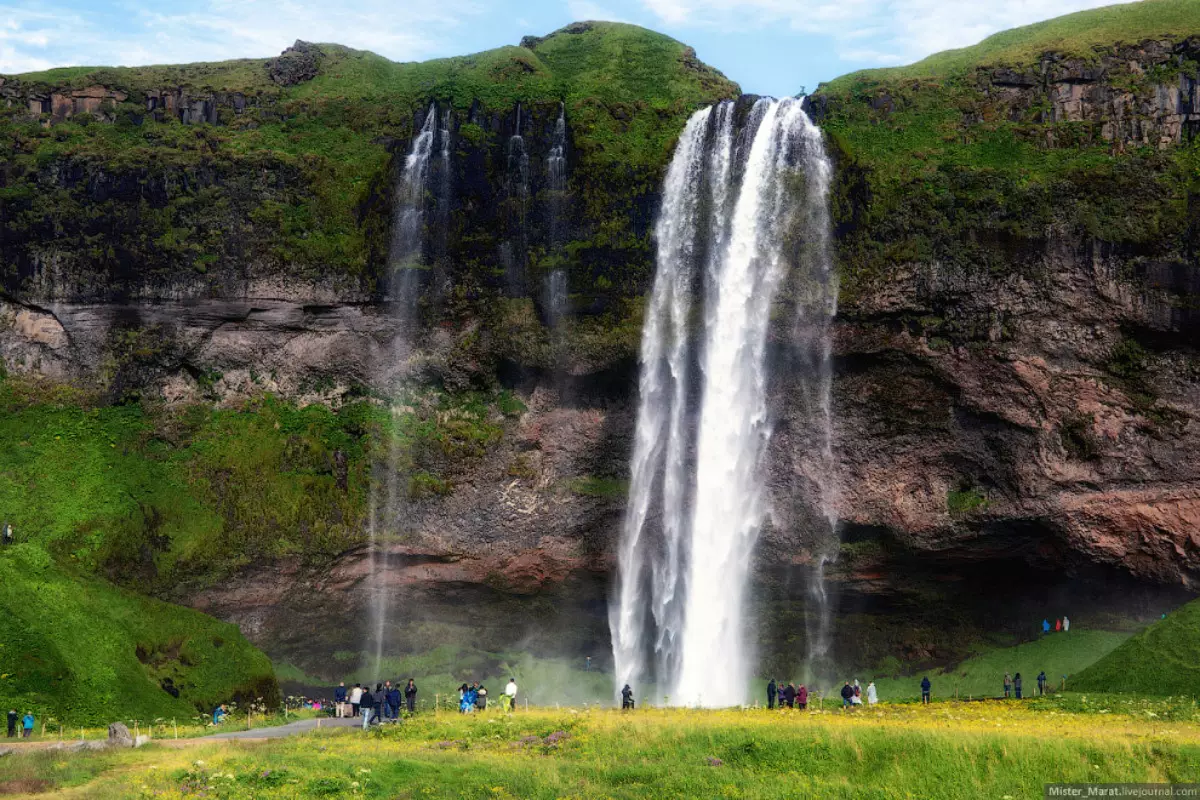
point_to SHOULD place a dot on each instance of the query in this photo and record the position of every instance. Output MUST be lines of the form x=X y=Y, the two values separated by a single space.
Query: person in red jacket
x=802 y=697
x=1057 y=625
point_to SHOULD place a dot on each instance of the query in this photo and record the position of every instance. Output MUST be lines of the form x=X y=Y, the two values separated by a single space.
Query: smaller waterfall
x=405 y=258
x=518 y=160
x=556 y=298
x=407 y=231
x=556 y=162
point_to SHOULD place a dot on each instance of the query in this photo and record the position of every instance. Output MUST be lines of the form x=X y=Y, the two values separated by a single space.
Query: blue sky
x=769 y=46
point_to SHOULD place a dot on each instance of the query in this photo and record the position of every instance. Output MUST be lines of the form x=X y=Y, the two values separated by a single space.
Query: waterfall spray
x=683 y=571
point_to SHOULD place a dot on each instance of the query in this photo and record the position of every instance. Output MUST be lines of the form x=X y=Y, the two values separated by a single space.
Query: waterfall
x=556 y=178
x=405 y=258
x=518 y=160
x=556 y=297
x=697 y=500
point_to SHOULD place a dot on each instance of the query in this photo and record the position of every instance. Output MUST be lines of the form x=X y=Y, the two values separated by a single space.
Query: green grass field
x=982 y=675
x=948 y=750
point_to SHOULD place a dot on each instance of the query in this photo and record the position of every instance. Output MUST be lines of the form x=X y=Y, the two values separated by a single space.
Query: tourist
x=872 y=695
x=857 y=699
x=27 y=724
x=802 y=697
x=384 y=692
x=627 y=698
x=13 y=716
x=789 y=696
x=8 y=533
x=339 y=699
x=1007 y=686
x=926 y=686
x=1041 y=679
x=219 y=714
x=1017 y=685
x=356 y=699
x=410 y=696
x=481 y=698
x=847 y=695
x=1066 y=624
x=771 y=691
x=1045 y=626
x=510 y=691
x=1058 y=626
x=366 y=706
x=393 y=699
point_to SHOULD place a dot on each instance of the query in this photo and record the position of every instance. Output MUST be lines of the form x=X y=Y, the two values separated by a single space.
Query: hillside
x=76 y=649
x=1164 y=659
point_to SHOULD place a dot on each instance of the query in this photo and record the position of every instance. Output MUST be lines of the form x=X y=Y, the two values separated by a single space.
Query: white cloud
x=145 y=31
x=586 y=10
x=878 y=31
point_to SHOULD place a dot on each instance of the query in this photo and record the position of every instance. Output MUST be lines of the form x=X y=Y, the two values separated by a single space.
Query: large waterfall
x=406 y=261
x=697 y=499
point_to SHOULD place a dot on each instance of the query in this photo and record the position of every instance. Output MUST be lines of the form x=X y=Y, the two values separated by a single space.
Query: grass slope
x=945 y=751
x=79 y=650
x=1164 y=659
x=982 y=675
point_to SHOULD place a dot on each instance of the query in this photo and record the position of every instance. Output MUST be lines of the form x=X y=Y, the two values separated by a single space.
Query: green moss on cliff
x=938 y=165
x=297 y=177
x=161 y=497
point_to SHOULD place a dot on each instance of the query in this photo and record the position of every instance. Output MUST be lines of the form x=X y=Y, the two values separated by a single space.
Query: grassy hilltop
x=938 y=165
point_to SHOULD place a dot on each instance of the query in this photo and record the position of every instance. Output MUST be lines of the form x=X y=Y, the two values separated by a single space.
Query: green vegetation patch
x=75 y=649
x=1164 y=659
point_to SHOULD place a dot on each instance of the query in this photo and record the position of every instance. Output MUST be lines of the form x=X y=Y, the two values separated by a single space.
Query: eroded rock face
x=297 y=64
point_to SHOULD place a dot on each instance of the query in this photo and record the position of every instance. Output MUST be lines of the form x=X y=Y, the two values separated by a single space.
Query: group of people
x=473 y=697
x=1060 y=625
x=1012 y=685
x=853 y=695
x=374 y=706
x=26 y=723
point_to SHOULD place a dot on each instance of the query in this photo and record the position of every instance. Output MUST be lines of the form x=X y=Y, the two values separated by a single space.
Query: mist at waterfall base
x=743 y=230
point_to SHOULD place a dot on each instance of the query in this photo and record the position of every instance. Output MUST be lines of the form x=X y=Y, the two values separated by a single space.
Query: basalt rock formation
x=1017 y=383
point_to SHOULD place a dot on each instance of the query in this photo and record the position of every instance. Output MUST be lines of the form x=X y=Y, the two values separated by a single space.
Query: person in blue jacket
x=926 y=687
x=393 y=699
x=27 y=724
x=1045 y=626
x=219 y=714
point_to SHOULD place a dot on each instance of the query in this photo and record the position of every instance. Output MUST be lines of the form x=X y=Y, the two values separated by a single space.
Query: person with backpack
x=926 y=690
x=410 y=696
x=627 y=698
x=481 y=698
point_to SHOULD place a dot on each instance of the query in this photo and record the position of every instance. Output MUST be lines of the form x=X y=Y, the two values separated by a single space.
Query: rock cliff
x=1017 y=382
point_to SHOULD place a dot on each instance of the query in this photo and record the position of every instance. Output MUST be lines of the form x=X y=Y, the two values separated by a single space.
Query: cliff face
x=1017 y=381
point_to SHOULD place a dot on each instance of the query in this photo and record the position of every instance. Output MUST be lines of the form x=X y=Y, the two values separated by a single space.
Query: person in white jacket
x=511 y=691
x=872 y=695
x=1066 y=624
x=355 y=699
